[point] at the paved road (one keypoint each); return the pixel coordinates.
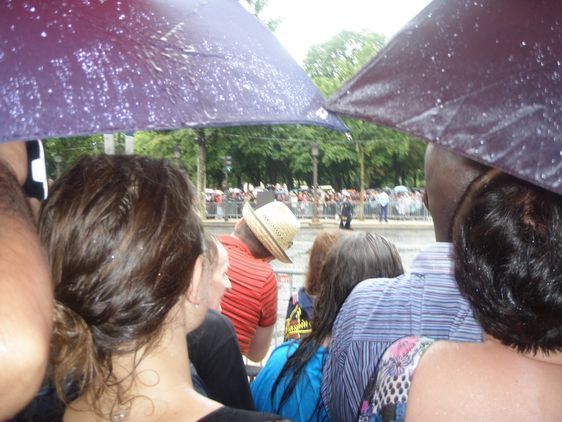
(408, 236)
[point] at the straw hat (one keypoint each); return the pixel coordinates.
(274, 225)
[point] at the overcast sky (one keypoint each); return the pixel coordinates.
(309, 22)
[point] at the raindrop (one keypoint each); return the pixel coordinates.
(322, 113)
(32, 9)
(442, 70)
(49, 91)
(449, 55)
(121, 17)
(429, 15)
(43, 34)
(481, 142)
(112, 256)
(543, 176)
(523, 43)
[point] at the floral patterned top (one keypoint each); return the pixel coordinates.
(386, 396)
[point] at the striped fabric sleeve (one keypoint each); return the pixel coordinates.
(268, 314)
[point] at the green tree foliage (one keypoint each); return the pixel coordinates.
(331, 63)
(60, 153)
(257, 7)
(391, 157)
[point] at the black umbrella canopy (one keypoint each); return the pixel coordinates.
(480, 78)
(91, 66)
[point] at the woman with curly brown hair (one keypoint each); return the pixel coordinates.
(126, 251)
(507, 236)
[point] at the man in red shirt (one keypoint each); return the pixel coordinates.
(259, 237)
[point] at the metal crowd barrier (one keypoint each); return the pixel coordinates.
(289, 281)
(327, 211)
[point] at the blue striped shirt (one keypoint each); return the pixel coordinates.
(425, 302)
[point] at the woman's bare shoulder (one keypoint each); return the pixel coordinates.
(482, 381)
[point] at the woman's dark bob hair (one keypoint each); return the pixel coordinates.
(122, 237)
(507, 235)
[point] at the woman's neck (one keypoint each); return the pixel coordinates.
(554, 358)
(161, 383)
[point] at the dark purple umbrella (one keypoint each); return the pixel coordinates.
(91, 66)
(481, 78)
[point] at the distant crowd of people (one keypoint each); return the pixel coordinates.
(399, 202)
(152, 315)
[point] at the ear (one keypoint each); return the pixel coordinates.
(238, 224)
(192, 294)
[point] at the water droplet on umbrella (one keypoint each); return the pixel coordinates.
(32, 9)
(481, 142)
(49, 91)
(523, 43)
(322, 113)
(121, 17)
(43, 34)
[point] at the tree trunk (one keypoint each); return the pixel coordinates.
(201, 171)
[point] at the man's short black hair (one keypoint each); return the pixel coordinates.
(508, 246)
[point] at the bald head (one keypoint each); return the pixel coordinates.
(447, 176)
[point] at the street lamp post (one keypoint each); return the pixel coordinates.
(314, 150)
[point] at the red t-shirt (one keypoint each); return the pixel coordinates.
(252, 300)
